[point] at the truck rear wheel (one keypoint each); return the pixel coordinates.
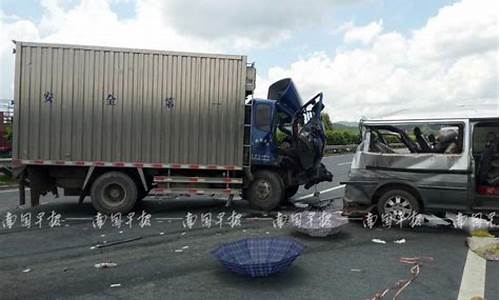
(113, 192)
(266, 190)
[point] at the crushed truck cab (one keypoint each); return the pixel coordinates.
(296, 157)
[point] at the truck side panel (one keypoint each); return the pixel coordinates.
(79, 103)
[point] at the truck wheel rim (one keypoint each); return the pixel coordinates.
(113, 194)
(398, 207)
(263, 189)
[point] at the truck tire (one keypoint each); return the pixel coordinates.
(266, 190)
(113, 192)
(399, 203)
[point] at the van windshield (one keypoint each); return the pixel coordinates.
(416, 138)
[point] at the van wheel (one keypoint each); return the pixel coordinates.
(399, 204)
(266, 190)
(113, 192)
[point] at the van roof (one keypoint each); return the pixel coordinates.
(482, 111)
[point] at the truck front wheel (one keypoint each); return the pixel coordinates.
(266, 190)
(113, 192)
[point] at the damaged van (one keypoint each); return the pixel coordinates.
(433, 162)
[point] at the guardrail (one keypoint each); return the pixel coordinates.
(329, 149)
(5, 166)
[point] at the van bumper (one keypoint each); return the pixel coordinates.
(356, 201)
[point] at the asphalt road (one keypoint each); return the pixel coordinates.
(59, 261)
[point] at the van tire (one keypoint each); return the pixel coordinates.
(266, 190)
(400, 202)
(113, 192)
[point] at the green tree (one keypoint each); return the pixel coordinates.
(8, 133)
(327, 123)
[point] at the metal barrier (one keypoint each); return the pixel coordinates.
(330, 149)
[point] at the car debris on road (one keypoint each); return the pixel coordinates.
(105, 265)
(400, 285)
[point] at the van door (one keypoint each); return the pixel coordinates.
(484, 149)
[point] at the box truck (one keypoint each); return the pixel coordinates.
(118, 124)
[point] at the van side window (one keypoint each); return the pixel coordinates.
(416, 138)
(263, 117)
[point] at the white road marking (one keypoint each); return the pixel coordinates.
(473, 277)
(344, 163)
(322, 192)
(10, 191)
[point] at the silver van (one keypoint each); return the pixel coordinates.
(434, 162)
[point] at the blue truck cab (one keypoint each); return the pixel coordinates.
(287, 143)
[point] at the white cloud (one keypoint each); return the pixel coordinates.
(256, 23)
(363, 34)
(8, 31)
(92, 22)
(451, 60)
(197, 26)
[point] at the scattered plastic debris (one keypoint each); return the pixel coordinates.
(317, 226)
(105, 265)
(106, 244)
(178, 250)
(435, 221)
(400, 285)
(103, 235)
(185, 247)
(267, 232)
(482, 233)
(379, 241)
(244, 230)
(401, 241)
(356, 270)
(183, 233)
(486, 247)
(115, 285)
(120, 232)
(92, 248)
(258, 257)
(162, 233)
(27, 270)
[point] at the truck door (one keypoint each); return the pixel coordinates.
(263, 146)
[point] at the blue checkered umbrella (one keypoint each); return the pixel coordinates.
(258, 257)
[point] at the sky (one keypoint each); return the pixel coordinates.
(368, 57)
